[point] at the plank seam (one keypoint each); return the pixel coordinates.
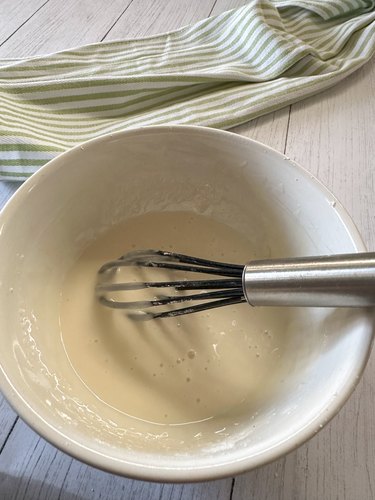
(9, 433)
(212, 8)
(232, 488)
(116, 21)
(20, 26)
(287, 130)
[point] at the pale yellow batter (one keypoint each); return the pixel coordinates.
(205, 366)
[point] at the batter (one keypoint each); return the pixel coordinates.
(175, 371)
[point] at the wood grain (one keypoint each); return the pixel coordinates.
(270, 129)
(7, 420)
(145, 18)
(61, 25)
(332, 136)
(31, 468)
(14, 14)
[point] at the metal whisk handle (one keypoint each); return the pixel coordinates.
(328, 281)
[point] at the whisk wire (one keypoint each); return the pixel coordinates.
(177, 285)
(186, 310)
(173, 261)
(227, 291)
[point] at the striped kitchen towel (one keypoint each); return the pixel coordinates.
(220, 72)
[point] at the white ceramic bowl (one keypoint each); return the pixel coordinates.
(67, 203)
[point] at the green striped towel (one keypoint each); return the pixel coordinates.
(220, 72)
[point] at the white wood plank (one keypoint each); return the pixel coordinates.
(331, 135)
(270, 129)
(338, 463)
(223, 5)
(7, 421)
(145, 18)
(61, 25)
(94, 485)
(31, 468)
(165, 15)
(15, 14)
(6, 191)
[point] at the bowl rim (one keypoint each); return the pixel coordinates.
(156, 473)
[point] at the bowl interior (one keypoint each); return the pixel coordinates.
(251, 188)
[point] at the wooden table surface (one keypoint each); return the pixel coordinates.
(332, 135)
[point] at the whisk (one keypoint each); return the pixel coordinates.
(346, 280)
